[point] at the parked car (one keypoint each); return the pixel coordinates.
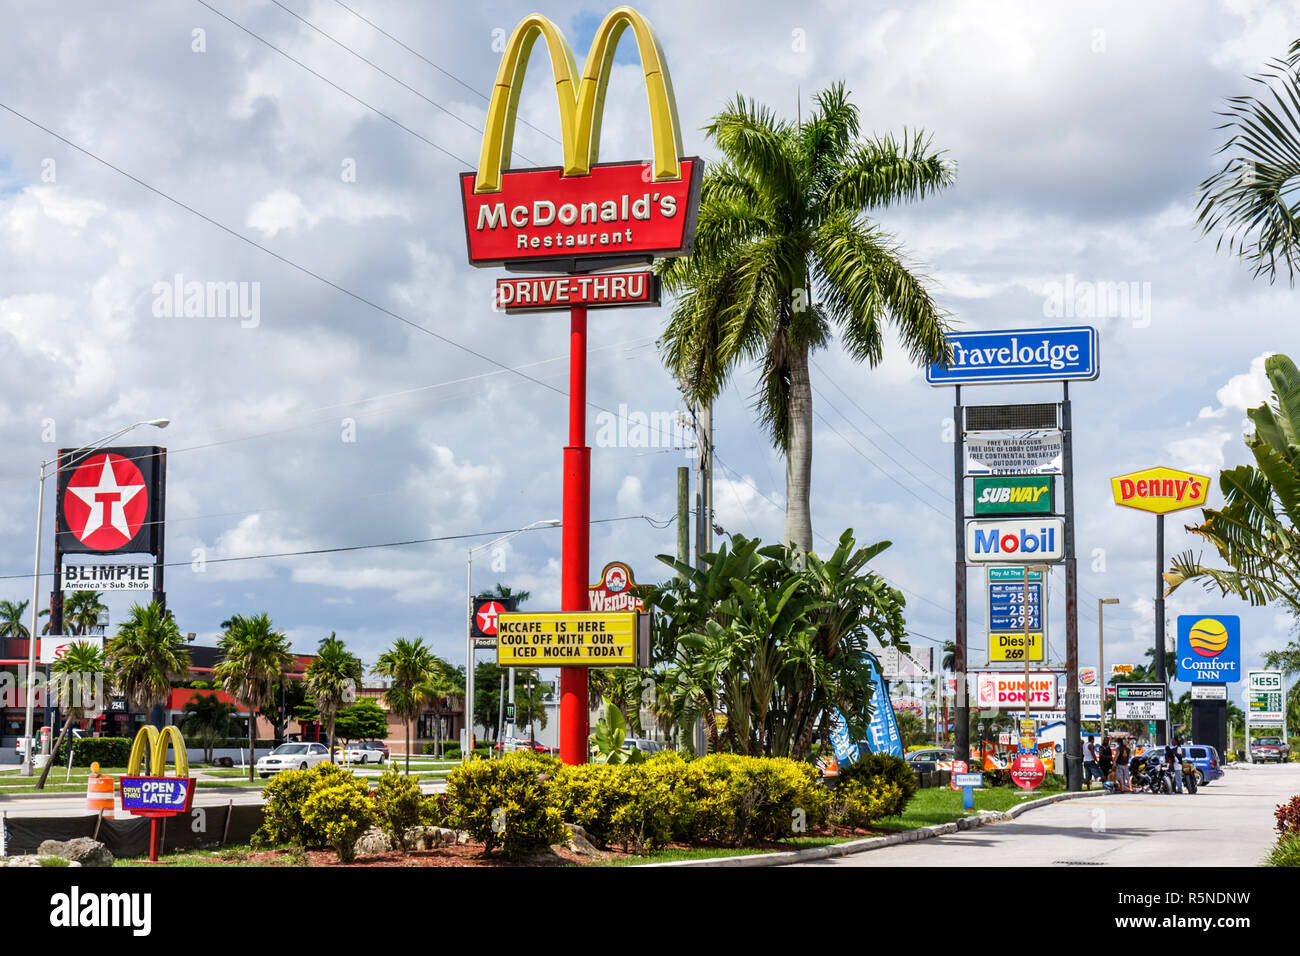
(1206, 761)
(1264, 749)
(365, 751)
(641, 744)
(292, 757)
(521, 743)
(941, 759)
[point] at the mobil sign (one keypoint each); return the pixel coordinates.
(1015, 541)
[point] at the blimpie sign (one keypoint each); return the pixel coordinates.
(107, 577)
(555, 293)
(1160, 490)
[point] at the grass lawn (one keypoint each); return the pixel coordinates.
(227, 856)
(934, 805)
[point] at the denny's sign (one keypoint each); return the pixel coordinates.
(1160, 490)
(584, 214)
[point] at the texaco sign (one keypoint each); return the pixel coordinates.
(111, 501)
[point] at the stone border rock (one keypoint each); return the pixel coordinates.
(785, 858)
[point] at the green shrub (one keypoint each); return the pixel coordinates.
(108, 751)
(638, 805)
(431, 747)
(452, 753)
(884, 769)
(512, 803)
(341, 810)
(283, 817)
(857, 804)
(1285, 853)
(400, 805)
(765, 798)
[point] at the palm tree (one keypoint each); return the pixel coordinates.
(74, 676)
(146, 655)
(255, 657)
(329, 677)
(11, 619)
(1256, 532)
(1250, 202)
(414, 671)
(81, 611)
(208, 718)
(781, 220)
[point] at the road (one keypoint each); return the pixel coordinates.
(1228, 823)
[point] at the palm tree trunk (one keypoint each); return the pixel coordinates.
(252, 720)
(45, 771)
(408, 746)
(798, 455)
(330, 734)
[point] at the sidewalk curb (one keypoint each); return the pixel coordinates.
(984, 818)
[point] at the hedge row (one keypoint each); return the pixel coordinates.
(522, 801)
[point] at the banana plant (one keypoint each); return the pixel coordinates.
(1255, 532)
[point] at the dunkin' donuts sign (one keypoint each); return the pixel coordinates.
(1007, 691)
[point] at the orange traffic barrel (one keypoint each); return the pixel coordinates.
(99, 790)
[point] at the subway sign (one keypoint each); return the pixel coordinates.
(1160, 490)
(1015, 541)
(1014, 495)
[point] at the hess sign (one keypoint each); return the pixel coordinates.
(578, 216)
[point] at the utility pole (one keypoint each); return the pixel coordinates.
(683, 557)
(703, 511)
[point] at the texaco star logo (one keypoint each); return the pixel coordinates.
(106, 502)
(487, 617)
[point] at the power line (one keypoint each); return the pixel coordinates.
(444, 72)
(867, 415)
(352, 96)
(658, 523)
(376, 66)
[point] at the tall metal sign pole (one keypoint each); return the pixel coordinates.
(961, 713)
(1010, 356)
(1160, 491)
(579, 220)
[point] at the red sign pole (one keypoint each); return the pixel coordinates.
(576, 556)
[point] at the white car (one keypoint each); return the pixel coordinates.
(292, 757)
(366, 751)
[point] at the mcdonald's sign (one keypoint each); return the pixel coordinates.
(584, 214)
(157, 794)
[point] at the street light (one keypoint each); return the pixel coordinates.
(26, 770)
(467, 749)
(1101, 659)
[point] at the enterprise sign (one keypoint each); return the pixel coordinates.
(1018, 355)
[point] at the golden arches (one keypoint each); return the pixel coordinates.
(581, 99)
(158, 743)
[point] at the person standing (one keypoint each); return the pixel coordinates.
(1174, 762)
(1090, 768)
(1105, 759)
(1122, 778)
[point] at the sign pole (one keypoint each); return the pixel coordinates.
(576, 549)
(1025, 573)
(1073, 730)
(961, 712)
(1161, 726)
